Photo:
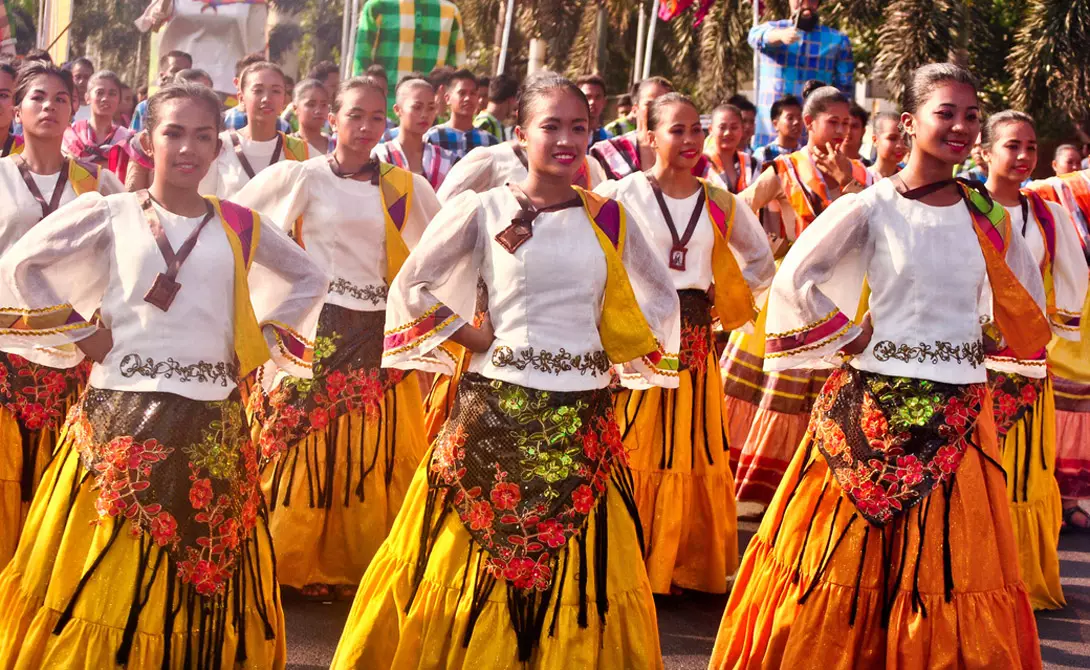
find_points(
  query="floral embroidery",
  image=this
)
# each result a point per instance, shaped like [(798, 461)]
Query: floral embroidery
[(157, 440), (890, 440), (696, 332), (595, 362), (971, 352), (539, 462), (38, 396), (1012, 396), (375, 294), (201, 371)]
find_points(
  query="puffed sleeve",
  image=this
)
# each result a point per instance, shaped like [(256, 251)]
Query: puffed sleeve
[(52, 281), (279, 193), (473, 173), (749, 246), (818, 284), (287, 291), (435, 292), (109, 183), (1069, 277), (424, 208)]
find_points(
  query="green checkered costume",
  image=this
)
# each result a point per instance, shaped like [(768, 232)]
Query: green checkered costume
[(406, 36)]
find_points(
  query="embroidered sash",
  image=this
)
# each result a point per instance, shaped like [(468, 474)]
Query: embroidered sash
[(745, 169), (805, 188), (733, 300)]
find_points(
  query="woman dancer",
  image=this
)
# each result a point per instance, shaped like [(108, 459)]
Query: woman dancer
[(889, 541), (522, 513), (719, 262), (727, 166), (415, 109), (99, 140), (767, 411), (1022, 393), (34, 183), (344, 446), (146, 545), (312, 109), (10, 143), (259, 144)]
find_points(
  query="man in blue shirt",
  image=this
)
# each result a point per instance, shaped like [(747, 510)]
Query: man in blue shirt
[(793, 51)]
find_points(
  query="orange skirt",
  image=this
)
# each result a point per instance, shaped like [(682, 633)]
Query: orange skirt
[(821, 588)]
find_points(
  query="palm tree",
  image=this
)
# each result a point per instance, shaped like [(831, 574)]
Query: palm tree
[(1050, 63)]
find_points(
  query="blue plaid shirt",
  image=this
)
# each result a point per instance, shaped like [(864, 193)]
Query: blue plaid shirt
[(139, 115), (764, 155), (598, 135), (458, 142), (824, 54), (235, 119)]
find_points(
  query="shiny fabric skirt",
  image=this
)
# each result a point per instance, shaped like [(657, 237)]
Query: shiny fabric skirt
[(678, 453), (86, 590), (428, 601), (1029, 459), (937, 587), (337, 479)]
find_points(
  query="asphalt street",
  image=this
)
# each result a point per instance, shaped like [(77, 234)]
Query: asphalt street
[(688, 623)]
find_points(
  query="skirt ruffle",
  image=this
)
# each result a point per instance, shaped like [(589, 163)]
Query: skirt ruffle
[(683, 486), (438, 631), (821, 588), (330, 512), (58, 617)]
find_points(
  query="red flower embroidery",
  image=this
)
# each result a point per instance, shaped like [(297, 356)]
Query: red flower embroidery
[(583, 499), (505, 495), (1029, 394), (909, 470), (34, 416), (591, 445), (335, 384), (480, 515), (957, 413), (319, 418), (948, 458), (164, 529), (551, 533), (200, 493)]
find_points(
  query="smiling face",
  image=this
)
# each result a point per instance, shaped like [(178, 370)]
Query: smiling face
[(263, 95), (677, 137), (184, 142), (946, 123), (416, 107), (105, 97), (1013, 154), (726, 131), (554, 134), (360, 120), (46, 109)]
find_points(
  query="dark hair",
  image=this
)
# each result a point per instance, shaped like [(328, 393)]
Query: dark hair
[(248, 60), (484, 81), (38, 55), (822, 99), (859, 113), (726, 108), (108, 76), (924, 80), (591, 80), (260, 66), (996, 121), (186, 91), (885, 116), (785, 101), (655, 110), (305, 86), (8, 69), (441, 76), (541, 84), (656, 80), (31, 70), (176, 55), (625, 99), (377, 71), (502, 88), (81, 60), (463, 75), (191, 75), (810, 86), (289, 83), (361, 81), (1065, 147), (742, 103), (322, 69)]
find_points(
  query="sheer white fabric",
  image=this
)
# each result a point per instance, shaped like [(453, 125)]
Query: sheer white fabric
[(748, 243), (484, 168), (226, 176), (929, 288), (545, 300), (344, 227), (99, 254), (21, 211)]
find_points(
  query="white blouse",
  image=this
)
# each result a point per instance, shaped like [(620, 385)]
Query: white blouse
[(748, 243), (1069, 280), (545, 300), (484, 168), (344, 227), (99, 254), (20, 211), (929, 289), (226, 176)]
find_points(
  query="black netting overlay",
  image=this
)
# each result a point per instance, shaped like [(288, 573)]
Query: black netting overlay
[(696, 330)]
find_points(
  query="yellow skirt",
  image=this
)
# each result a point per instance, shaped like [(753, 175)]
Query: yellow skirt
[(61, 543), (1029, 458), (809, 547), (15, 493), (683, 486), (432, 634), (330, 512)]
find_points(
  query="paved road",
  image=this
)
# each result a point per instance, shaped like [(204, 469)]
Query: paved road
[(688, 624)]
